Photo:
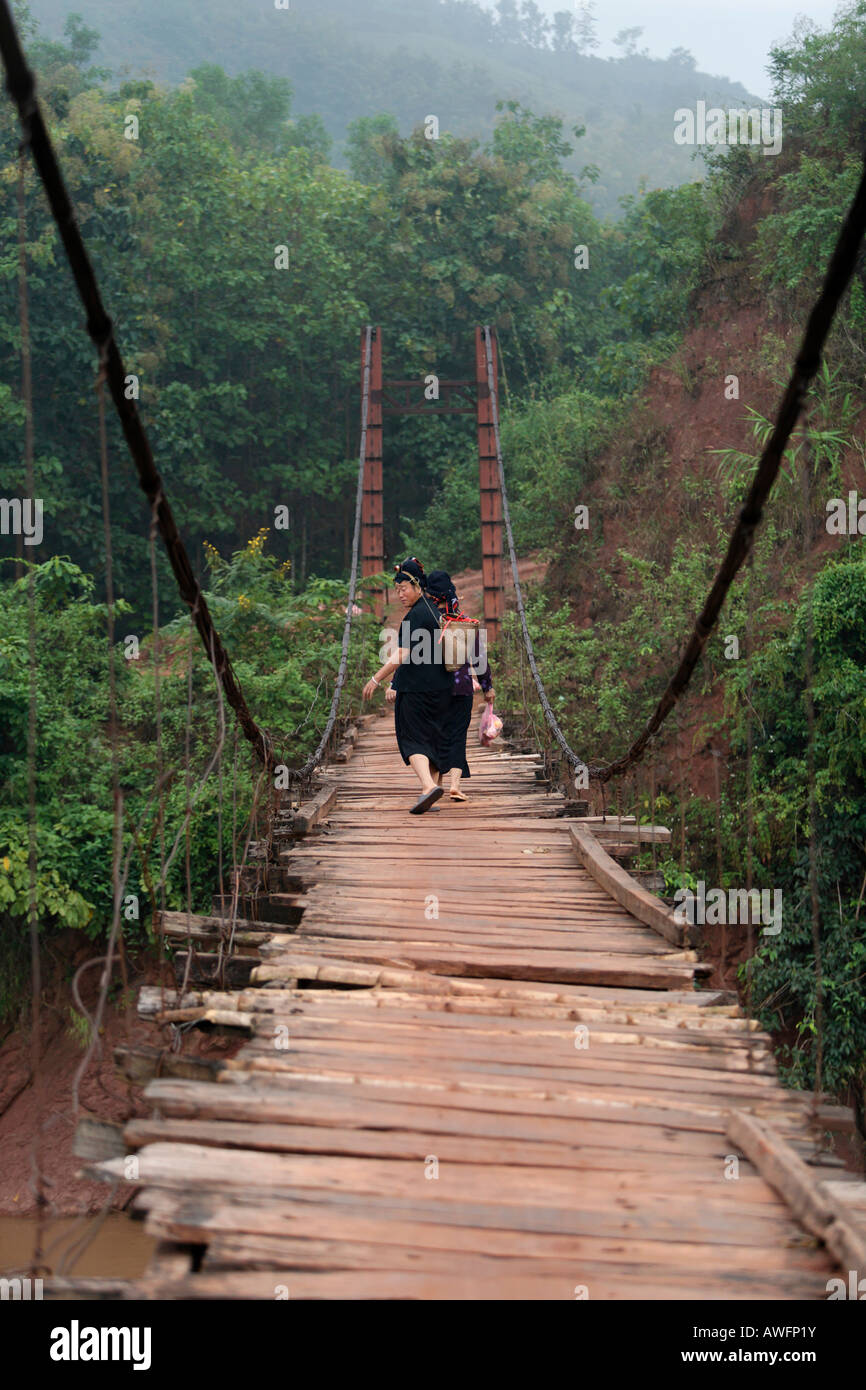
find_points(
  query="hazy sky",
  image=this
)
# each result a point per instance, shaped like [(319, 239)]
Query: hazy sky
[(729, 38)]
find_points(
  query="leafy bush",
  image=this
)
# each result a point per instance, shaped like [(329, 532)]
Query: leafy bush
[(785, 975), (286, 651)]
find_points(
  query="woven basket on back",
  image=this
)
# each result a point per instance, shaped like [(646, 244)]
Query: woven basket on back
[(458, 641)]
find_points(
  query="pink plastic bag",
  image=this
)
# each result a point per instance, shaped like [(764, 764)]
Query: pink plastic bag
[(489, 727)]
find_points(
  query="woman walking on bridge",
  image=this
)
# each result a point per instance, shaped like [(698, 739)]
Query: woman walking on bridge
[(423, 685), (473, 675)]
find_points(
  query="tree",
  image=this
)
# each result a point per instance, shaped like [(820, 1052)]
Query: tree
[(63, 68), (309, 133), (585, 28), (253, 108), (563, 32), (533, 142), (626, 41), (82, 40), (508, 25), (683, 58), (818, 79), (832, 617), (534, 26), (369, 143)]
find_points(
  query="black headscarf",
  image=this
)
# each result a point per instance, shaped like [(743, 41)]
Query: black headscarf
[(410, 569), (441, 589)]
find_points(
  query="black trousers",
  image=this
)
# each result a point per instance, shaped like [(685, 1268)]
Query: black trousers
[(457, 723)]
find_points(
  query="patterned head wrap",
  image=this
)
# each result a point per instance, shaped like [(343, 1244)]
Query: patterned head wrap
[(412, 570)]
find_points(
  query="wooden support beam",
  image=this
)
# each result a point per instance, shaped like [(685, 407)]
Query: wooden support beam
[(96, 1138), (313, 812), (182, 926), (611, 829), (815, 1204), (621, 886), (143, 1064), (205, 969)]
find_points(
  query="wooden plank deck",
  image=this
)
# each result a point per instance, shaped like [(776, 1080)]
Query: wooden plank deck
[(469, 1074)]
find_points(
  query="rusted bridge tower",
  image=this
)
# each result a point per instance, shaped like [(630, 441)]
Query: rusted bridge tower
[(466, 397)]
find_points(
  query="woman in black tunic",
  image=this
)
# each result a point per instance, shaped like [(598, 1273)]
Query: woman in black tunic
[(440, 589), (423, 685)]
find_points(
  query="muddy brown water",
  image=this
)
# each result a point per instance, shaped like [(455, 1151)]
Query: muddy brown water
[(119, 1248)]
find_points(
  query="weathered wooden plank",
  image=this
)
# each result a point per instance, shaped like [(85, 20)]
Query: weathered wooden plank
[(263, 1252), (815, 1204), (96, 1138), (179, 924), (142, 1064), (624, 889), (385, 1284), (782, 1168), (314, 811), (568, 967), (89, 1289), (492, 1108), (408, 1144), (198, 1219)]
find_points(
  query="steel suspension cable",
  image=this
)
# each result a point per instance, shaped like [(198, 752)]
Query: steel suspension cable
[(21, 85), (37, 1154), (576, 762), (315, 758)]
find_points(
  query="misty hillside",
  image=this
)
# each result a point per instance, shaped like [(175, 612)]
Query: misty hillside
[(352, 58)]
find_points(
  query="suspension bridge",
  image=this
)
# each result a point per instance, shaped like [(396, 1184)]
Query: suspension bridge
[(477, 1064), (478, 1059)]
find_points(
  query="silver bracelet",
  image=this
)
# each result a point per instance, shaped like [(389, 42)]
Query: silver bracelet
[(373, 679)]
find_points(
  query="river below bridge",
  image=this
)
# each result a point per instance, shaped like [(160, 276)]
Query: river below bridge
[(119, 1248)]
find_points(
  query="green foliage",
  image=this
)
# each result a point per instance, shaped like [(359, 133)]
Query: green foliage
[(658, 256), (551, 445), (252, 109), (369, 147), (820, 451), (451, 527), (249, 411), (812, 462), (285, 649), (813, 200), (78, 1028), (54, 900), (818, 75), (785, 977)]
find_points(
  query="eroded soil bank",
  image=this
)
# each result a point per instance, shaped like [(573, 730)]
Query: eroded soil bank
[(102, 1091)]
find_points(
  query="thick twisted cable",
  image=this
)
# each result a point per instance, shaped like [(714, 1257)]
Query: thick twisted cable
[(576, 762)]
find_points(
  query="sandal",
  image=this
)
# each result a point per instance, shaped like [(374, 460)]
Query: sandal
[(426, 801), (458, 796)]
